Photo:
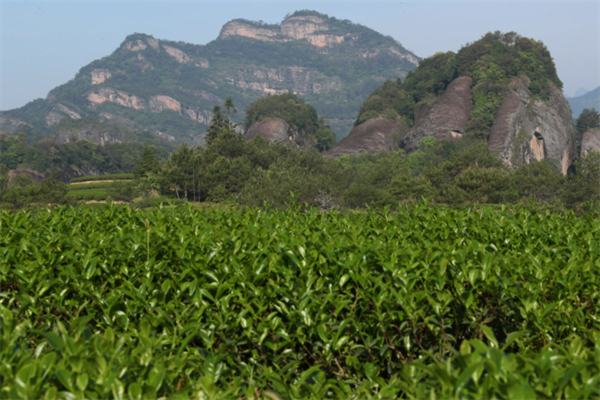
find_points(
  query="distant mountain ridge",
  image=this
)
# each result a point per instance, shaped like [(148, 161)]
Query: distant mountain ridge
[(169, 88), (589, 100)]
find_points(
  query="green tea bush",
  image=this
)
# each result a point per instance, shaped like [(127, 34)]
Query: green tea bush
[(88, 194), (186, 303)]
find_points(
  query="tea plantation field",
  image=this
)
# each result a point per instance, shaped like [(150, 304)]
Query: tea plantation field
[(177, 302)]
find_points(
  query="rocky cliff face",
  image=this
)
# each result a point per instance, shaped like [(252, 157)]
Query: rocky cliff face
[(527, 129), (97, 136), (590, 141), (13, 126), (100, 75), (373, 136), (310, 28), (444, 118), (156, 104), (58, 112), (118, 97), (284, 79), (277, 130)]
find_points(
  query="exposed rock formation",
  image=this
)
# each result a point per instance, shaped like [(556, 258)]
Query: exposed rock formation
[(444, 118), (284, 79), (526, 130), (590, 141), (299, 28), (100, 75), (153, 43), (311, 28), (277, 130), (248, 30), (373, 136), (135, 45), (156, 103), (64, 109), (159, 103), (53, 118), (58, 112), (34, 175), (116, 96), (177, 54), (12, 126), (97, 136)]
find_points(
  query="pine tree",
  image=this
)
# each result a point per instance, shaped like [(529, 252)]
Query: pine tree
[(221, 123), (147, 164)]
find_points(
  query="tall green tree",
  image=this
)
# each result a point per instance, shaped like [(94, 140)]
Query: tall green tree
[(588, 119), (182, 172), (584, 185), (147, 164), (539, 181)]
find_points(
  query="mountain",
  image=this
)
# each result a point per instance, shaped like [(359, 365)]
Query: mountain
[(589, 100), (169, 88), (502, 89), (580, 92)]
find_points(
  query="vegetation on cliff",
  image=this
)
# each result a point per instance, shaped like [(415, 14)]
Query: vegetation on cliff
[(296, 112), (492, 62)]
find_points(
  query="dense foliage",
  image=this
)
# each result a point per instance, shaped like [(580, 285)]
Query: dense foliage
[(296, 112), (492, 61), (73, 158), (454, 173), (23, 191), (185, 303)]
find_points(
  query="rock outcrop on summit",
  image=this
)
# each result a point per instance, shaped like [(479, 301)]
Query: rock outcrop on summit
[(527, 129), (444, 118), (373, 136), (277, 130), (311, 28), (590, 141)]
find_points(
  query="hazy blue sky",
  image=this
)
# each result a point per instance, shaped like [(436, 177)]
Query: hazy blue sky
[(44, 44)]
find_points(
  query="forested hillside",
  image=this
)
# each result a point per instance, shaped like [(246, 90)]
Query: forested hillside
[(169, 88)]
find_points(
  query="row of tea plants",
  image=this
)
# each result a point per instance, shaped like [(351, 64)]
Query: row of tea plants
[(178, 302)]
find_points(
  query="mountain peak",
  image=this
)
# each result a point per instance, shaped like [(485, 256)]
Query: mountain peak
[(318, 29)]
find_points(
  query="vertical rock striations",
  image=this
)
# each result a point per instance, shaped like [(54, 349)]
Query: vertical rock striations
[(100, 75), (590, 141), (528, 129), (444, 118), (373, 136)]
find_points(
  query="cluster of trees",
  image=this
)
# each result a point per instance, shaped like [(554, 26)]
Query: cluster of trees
[(24, 191), (297, 113), (229, 169), (493, 62), (47, 156), (460, 173)]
